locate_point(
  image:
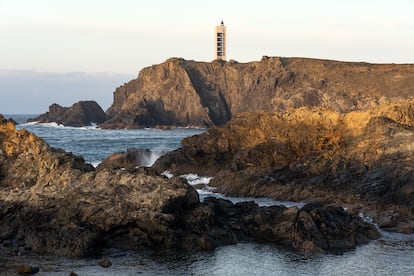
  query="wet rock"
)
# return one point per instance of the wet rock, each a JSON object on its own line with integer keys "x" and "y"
{"x": 392, "y": 221}
{"x": 27, "y": 269}
{"x": 313, "y": 228}
{"x": 319, "y": 228}
{"x": 105, "y": 262}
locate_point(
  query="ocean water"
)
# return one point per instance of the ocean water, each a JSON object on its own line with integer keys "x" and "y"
{"x": 392, "y": 254}
{"x": 95, "y": 144}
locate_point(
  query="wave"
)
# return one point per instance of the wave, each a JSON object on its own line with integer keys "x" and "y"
{"x": 95, "y": 164}
{"x": 195, "y": 179}
{"x": 201, "y": 184}
{"x": 29, "y": 124}
{"x": 56, "y": 125}
{"x": 167, "y": 174}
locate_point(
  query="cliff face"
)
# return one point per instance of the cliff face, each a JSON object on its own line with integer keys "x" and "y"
{"x": 181, "y": 93}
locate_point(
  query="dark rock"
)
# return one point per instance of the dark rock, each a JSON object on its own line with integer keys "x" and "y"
{"x": 315, "y": 227}
{"x": 319, "y": 228}
{"x": 27, "y": 269}
{"x": 82, "y": 113}
{"x": 182, "y": 92}
{"x": 105, "y": 262}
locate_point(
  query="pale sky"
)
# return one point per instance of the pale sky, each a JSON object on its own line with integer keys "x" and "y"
{"x": 123, "y": 36}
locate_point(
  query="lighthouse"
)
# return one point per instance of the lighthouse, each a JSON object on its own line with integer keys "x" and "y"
{"x": 220, "y": 42}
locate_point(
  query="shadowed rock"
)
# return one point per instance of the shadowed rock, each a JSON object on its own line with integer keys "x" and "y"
{"x": 27, "y": 269}
{"x": 82, "y": 113}
{"x": 105, "y": 262}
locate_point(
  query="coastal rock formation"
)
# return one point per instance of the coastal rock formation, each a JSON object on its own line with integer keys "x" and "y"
{"x": 52, "y": 202}
{"x": 362, "y": 159}
{"x": 313, "y": 228}
{"x": 82, "y": 113}
{"x": 182, "y": 92}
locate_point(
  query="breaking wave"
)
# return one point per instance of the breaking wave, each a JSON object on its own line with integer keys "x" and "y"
{"x": 56, "y": 125}
{"x": 201, "y": 184}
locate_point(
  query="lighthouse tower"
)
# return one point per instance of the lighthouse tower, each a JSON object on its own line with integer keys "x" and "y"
{"x": 220, "y": 42}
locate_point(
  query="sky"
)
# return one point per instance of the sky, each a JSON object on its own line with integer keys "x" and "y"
{"x": 84, "y": 42}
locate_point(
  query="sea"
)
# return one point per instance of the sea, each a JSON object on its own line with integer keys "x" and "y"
{"x": 392, "y": 254}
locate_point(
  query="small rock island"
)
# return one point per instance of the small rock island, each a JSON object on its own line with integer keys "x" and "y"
{"x": 82, "y": 113}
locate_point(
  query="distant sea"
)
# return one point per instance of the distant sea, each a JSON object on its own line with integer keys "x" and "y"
{"x": 392, "y": 254}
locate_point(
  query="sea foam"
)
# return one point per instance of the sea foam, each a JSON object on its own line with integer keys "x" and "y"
{"x": 56, "y": 125}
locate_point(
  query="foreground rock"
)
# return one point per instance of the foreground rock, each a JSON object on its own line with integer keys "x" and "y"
{"x": 82, "y": 113}
{"x": 52, "y": 202}
{"x": 313, "y": 228}
{"x": 362, "y": 160}
{"x": 182, "y": 92}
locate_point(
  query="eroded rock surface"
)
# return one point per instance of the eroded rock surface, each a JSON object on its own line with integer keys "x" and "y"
{"x": 182, "y": 92}
{"x": 313, "y": 228}
{"x": 52, "y": 202}
{"x": 363, "y": 160}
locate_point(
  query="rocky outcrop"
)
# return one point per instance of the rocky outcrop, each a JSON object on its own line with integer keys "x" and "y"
{"x": 361, "y": 159}
{"x": 82, "y": 113}
{"x": 313, "y": 228}
{"x": 52, "y": 202}
{"x": 181, "y": 92}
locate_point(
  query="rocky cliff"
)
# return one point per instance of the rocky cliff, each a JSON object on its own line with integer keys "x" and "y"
{"x": 52, "y": 202}
{"x": 188, "y": 93}
{"x": 82, "y": 113}
{"x": 360, "y": 159}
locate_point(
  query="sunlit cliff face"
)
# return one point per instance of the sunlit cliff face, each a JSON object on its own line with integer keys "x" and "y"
{"x": 180, "y": 92}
